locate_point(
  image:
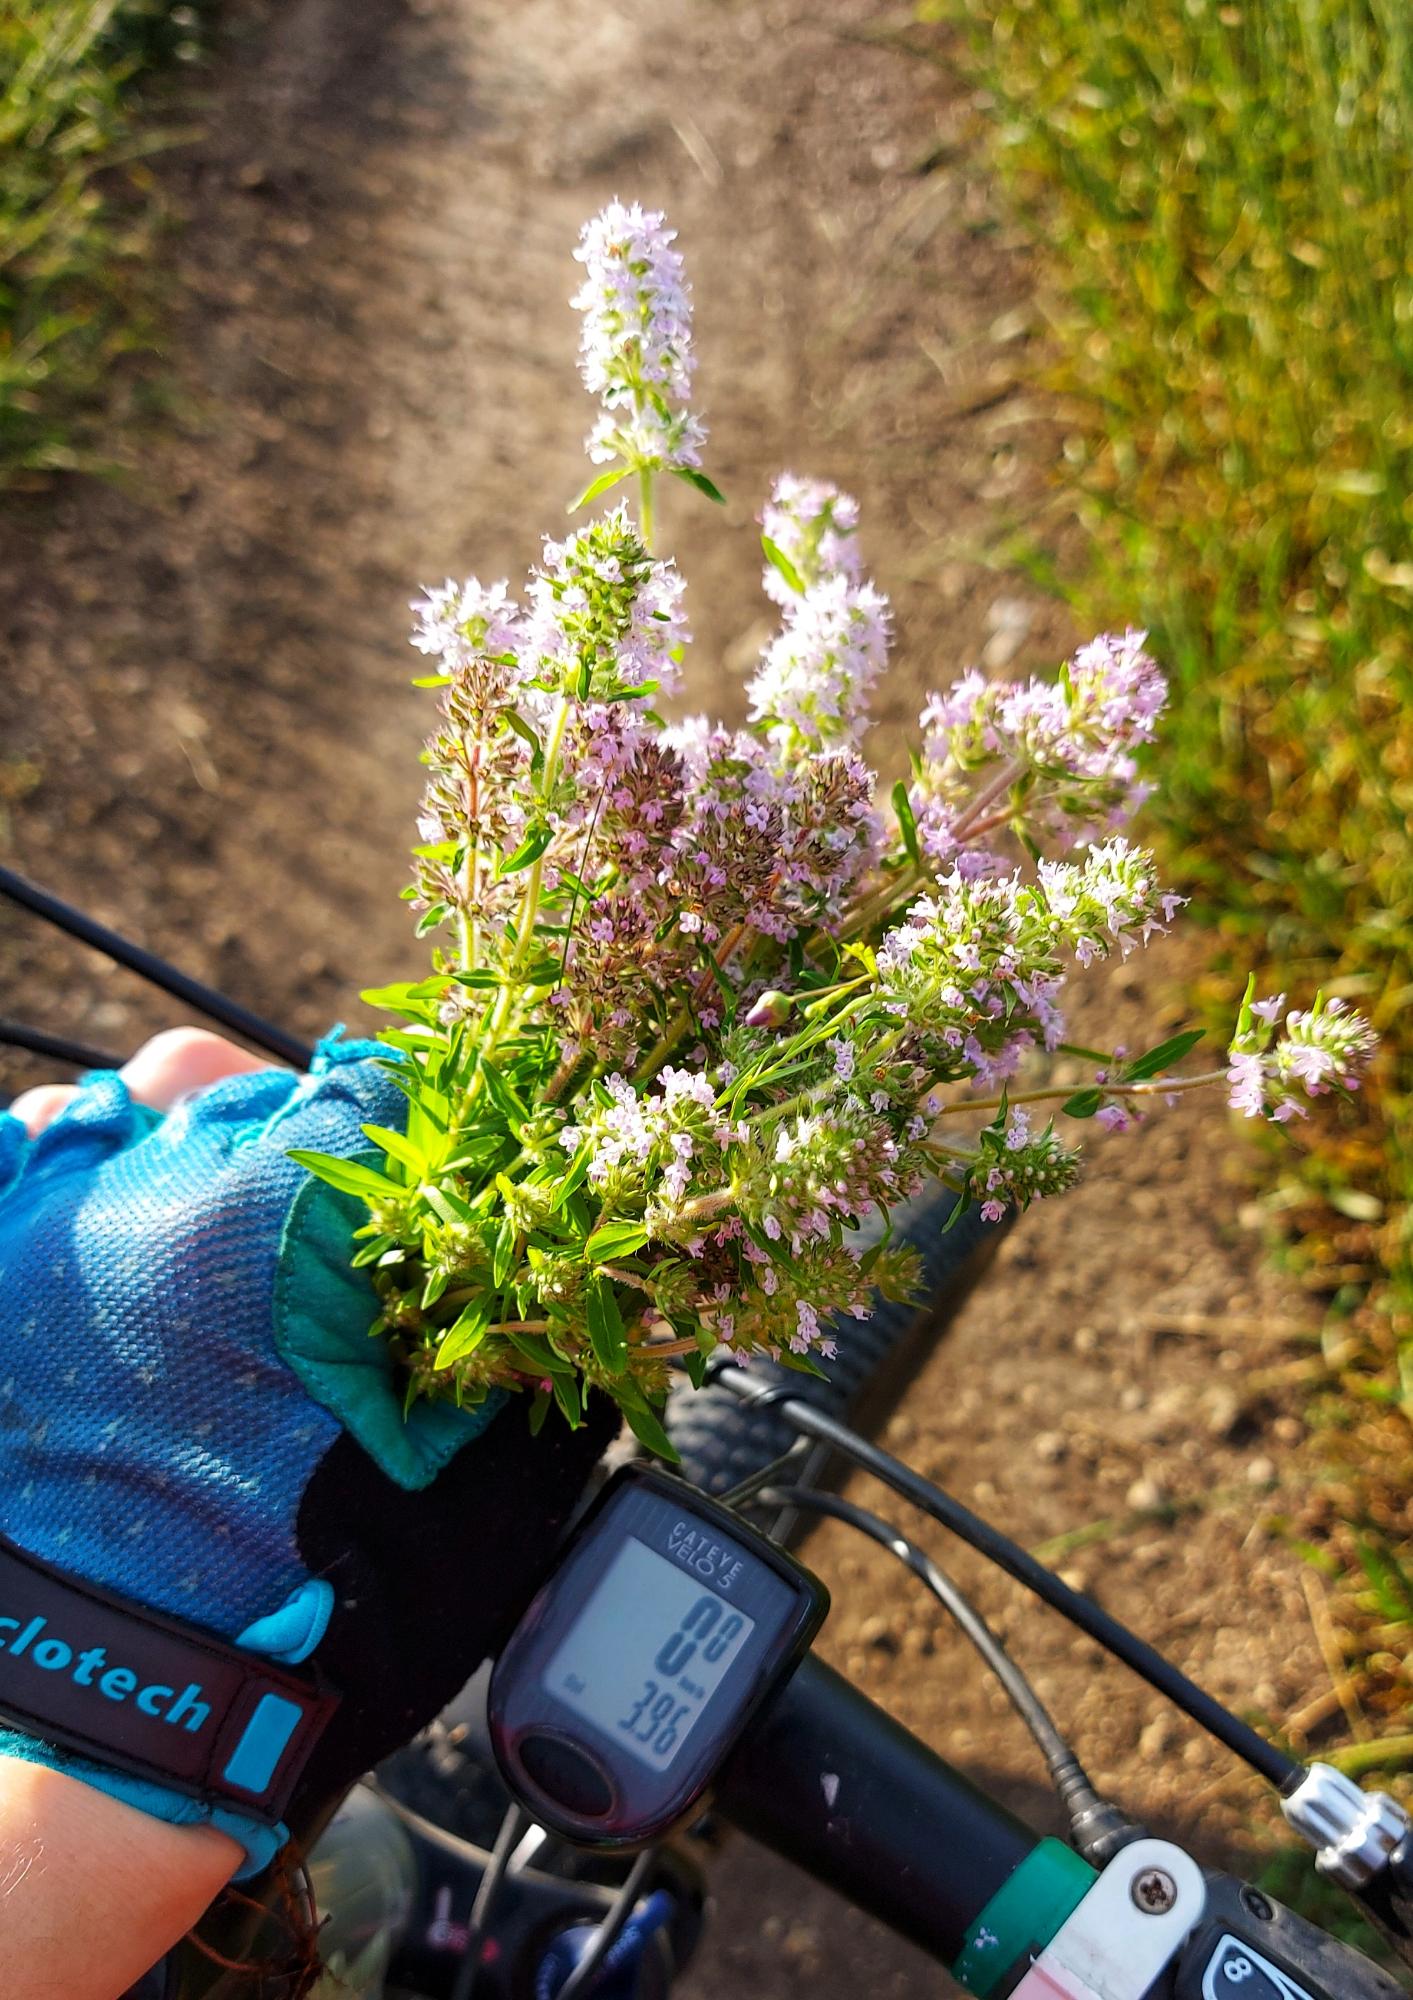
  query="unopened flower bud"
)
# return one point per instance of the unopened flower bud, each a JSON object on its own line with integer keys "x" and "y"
{"x": 772, "y": 1010}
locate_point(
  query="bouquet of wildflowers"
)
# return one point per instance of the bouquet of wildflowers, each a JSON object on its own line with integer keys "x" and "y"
{"x": 700, "y": 1002}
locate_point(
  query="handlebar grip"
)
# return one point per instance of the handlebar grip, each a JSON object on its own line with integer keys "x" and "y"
{"x": 832, "y": 1783}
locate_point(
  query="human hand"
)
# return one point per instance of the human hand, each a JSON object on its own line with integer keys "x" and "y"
{"x": 192, "y": 1417}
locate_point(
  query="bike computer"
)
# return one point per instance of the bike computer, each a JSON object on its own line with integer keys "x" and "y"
{"x": 666, "y": 1624}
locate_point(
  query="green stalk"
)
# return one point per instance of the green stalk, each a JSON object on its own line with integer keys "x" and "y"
{"x": 1157, "y": 1087}
{"x": 530, "y": 907}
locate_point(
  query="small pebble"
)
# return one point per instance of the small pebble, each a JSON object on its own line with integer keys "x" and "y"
{"x": 877, "y": 1632}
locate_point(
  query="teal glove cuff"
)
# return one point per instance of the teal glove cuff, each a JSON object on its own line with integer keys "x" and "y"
{"x": 322, "y": 1309}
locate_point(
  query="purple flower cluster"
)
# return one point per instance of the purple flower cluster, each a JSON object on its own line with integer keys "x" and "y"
{"x": 739, "y": 1195}
{"x": 696, "y": 1014}
{"x": 636, "y": 344}
{"x": 776, "y": 847}
{"x": 814, "y": 526}
{"x": 1325, "y": 1049}
{"x": 1072, "y": 740}
{"x": 817, "y": 675}
{"x": 603, "y": 616}
{"x": 1014, "y": 1167}
{"x": 813, "y": 686}
{"x": 977, "y": 968}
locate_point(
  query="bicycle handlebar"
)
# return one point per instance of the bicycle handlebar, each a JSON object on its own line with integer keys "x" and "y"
{"x": 832, "y": 1783}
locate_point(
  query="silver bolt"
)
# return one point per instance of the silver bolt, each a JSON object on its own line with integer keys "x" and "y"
{"x": 1153, "y": 1891}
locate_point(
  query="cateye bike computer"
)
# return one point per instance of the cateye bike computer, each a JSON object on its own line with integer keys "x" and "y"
{"x": 665, "y": 1626}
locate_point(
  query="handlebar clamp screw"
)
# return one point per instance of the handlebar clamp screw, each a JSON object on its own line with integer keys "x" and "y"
{"x": 1153, "y": 1891}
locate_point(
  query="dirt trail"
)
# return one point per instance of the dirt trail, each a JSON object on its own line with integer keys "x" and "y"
{"x": 207, "y": 735}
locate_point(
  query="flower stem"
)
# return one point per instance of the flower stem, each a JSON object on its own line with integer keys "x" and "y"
{"x": 966, "y": 827}
{"x": 1155, "y": 1087}
{"x": 645, "y": 507}
{"x": 882, "y": 902}
{"x": 529, "y": 909}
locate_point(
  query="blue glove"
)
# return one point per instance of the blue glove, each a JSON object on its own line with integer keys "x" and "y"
{"x": 193, "y": 1417}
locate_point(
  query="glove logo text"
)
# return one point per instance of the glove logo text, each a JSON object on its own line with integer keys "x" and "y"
{"x": 90, "y": 1669}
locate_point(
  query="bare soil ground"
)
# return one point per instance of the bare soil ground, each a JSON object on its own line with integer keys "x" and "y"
{"x": 207, "y": 737}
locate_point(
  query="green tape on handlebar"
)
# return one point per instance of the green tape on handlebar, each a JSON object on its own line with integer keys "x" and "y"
{"x": 1023, "y": 1916}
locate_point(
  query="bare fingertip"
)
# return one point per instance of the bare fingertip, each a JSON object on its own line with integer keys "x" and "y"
{"x": 41, "y": 1105}
{"x": 181, "y": 1060}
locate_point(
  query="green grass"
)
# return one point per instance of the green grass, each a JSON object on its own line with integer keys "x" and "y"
{"x": 77, "y": 213}
{"x": 1220, "y": 197}
{"x": 1223, "y": 199}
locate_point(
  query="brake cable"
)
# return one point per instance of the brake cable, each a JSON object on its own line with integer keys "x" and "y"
{"x": 55, "y": 1048}
{"x": 1271, "y": 1763}
{"x": 205, "y": 999}
{"x": 512, "y": 1830}
{"x": 1099, "y": 1828}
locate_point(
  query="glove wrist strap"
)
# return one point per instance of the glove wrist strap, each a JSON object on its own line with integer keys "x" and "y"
{"x": 141, "y": 1693}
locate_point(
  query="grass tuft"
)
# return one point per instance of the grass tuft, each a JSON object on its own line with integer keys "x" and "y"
{"x": 78, "y": 207}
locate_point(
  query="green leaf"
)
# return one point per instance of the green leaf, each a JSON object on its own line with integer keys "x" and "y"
{"x": 539, "y": 1410}
{"x": 1246, "y": 1017}
{"x": 539, "y": 1354}
{"x": 414, "y": 997}
{"x": 607, "y": 1333}
{"x": 777, "y": 557}
{"x": 446, "y": 1203}
{"x": 633, "y": 691}
{"x": 503, "y": 1094}
{"x": 703, "y": 485}
{"x": 504, "y": 1257}
{"x": 1164, "y": 1056}
{"x": 566, "y": 1394}
{"x": 372, "y": 1252}
{"x": 615, "y": 1239}
{"x": 411, "y": 1041}
{"x": 399, "y": 1148}
{"x": 430, "y": 919}
{"x": 544, "y": 970}
{"x": 603, "y": 484}
{"x": 1083, "y": 1104}
{"x": 802, "y": 1364}
{"x": 465, "y": 1335}
{"x": 437, "y": 1282}
{"x": 348, "y": 1177}
{"x": 647, "y": 1430}
{"x": 479, "y": 1154}
{"x": 530, "y": 849}
{"x": 514, "y": 720}
{"x": 907, "y": 824}
{"x": 578, "y": 1168}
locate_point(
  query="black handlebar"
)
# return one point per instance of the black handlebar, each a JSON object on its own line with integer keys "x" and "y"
{"x": 832, "y": 1783}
